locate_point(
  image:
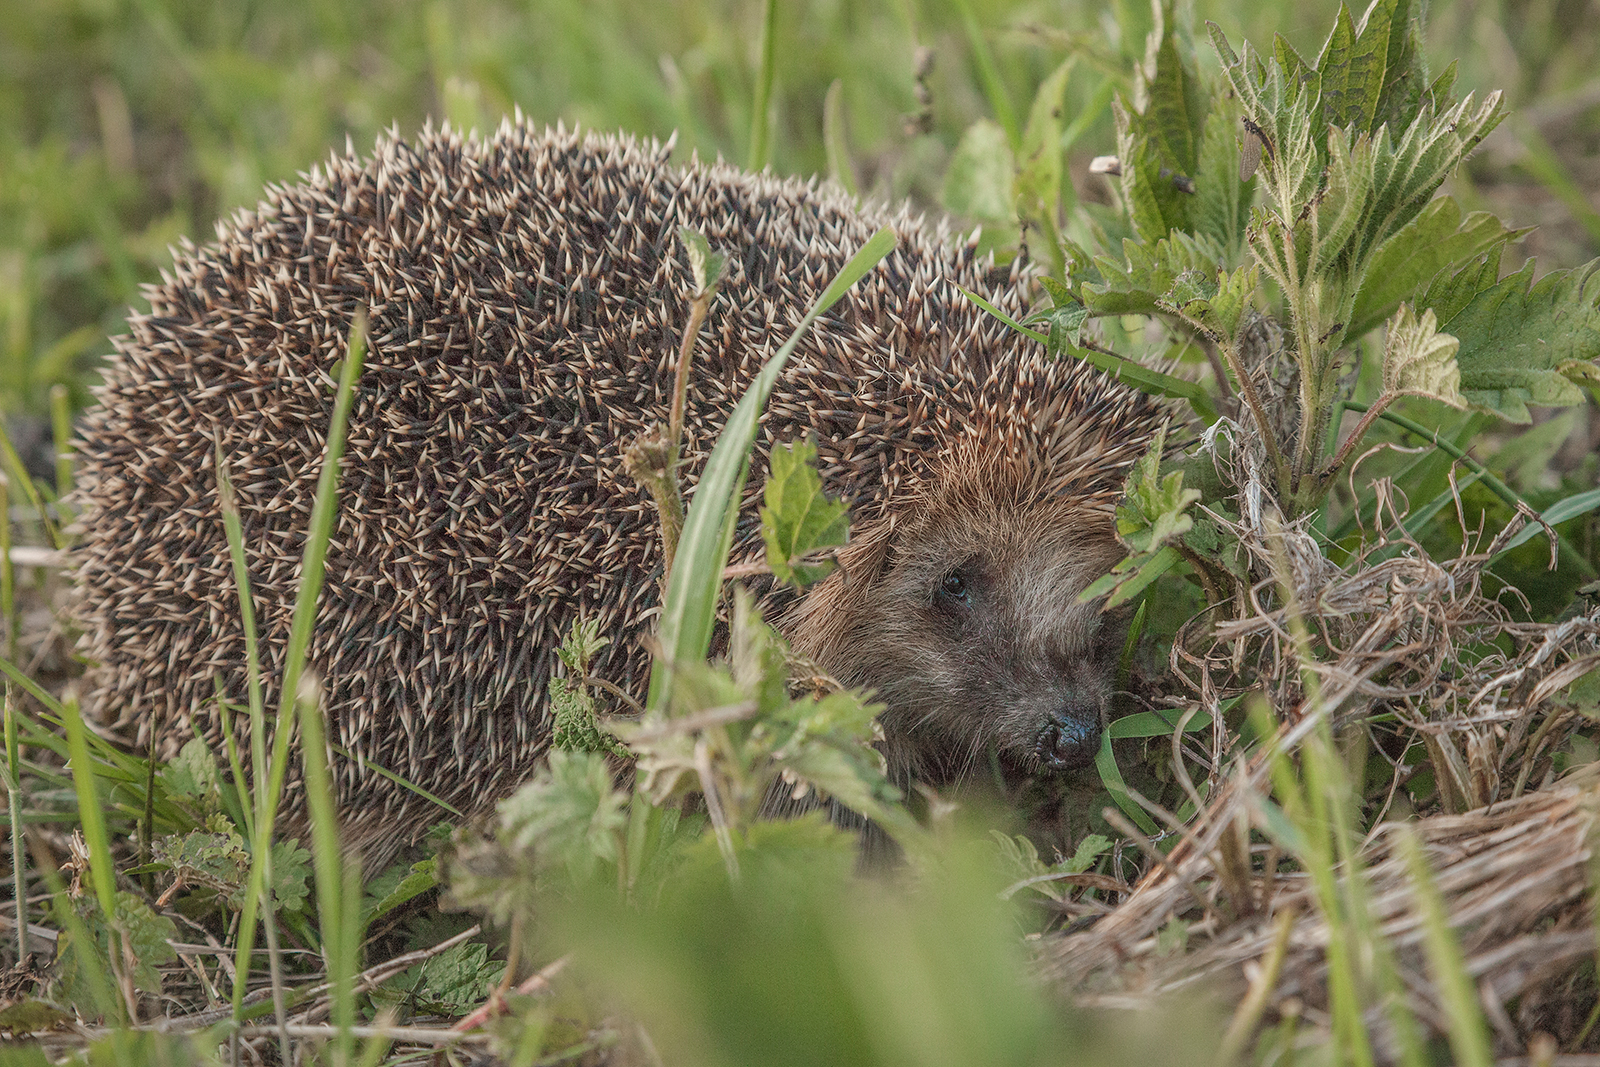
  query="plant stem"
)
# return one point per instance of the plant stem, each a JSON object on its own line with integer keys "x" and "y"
{"x": 1495, "y": 485}
{"x": 1247, "y": 389}
{"x": 1379, "y": 406}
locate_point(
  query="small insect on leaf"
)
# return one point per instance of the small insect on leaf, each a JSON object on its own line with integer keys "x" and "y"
{"x": 1250, "y": 155}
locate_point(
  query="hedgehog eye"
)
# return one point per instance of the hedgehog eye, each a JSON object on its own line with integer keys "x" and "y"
{"x": 954, "y": 591}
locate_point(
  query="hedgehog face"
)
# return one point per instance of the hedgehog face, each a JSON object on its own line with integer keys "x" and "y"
{"x": 965, "y": 622}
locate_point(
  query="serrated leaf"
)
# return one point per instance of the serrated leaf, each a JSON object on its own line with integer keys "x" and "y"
{"x": 1525, "y": 342}
{"x": 1358, "y": 63}
{"x": 798, "y": 516}
{"x": 1153, "y": 511}
{"x": 291, "y": 875}
{"x": 1066, "y": 327}
{"x": 1418, "y": 360}
{"x": 1218, "y": 313}
{"x": 1171, "y": 99}
{"x": 1088, "y": 851}
{"x": 1221, "y": 200}
{"x": 460, "y": 977}
{"x": 706, "y": 266}
{"x": 150, "y": 936}
{"x": 1038, "y": 181}
{"x": 1148, "y": 273}
{"x": 1438, "y": 239}
{"x": 193, "y": 772}
{"x": 1406, "y": 174}
{"x": 582, "y": 643}
{"x": 979, "y": 182}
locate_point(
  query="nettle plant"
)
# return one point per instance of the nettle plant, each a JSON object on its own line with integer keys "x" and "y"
{"x": 1272, "y": 221}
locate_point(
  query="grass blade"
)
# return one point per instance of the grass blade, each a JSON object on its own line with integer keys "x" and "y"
{"x": 324, "y": 509}
{"x": 1468, "y": 1033}
{"x": 689, "y": 611}
{"x": 761, "y": 106}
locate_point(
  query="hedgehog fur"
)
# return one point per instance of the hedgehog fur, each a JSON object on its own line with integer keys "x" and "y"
{"x": 527, "y": 294}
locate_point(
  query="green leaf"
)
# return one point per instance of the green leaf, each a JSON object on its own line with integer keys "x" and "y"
{"x": 193, "y": 772}
{"x": 1418, "y": 360}
{"x": 149, "y": 940}
{"x": 569, "y": 814}
{"x": 1122, "y": 586}
{"x": 1105, "y": 762}
{"x": 1066, "y": 326}
{"x": 799, "y": 518}
{"x": 1153, "y": 382}
{"x": 460, "y": 978}
{"x": 979, "y": 182}
{"x": 575, "y": 725}
{"x": 706, "y": 266}
{"x": 1522, "y": 342}
{"x": 1038, "y": 182}
{"x": 1157, "y": 201}
{"x": 1154, "y": 512}
{"x": 422, "y": 877}
{"x": 1438, "y": 239}
{"x": 1159, "y": 137}
{"x": 291, "y": 875}
{"x": 1222, "y": 202}
{"x": 1169, "y": 95}
{"x": 1148, "y": 273}
{"x": 1090, "y": 849}
{"x": 1156, "y": 724}
{"x": 1356, "y": 64}
{"x": 1562, "y": 510}
{"x": 1218, "y": 312}
{"x": 690, "y": 605}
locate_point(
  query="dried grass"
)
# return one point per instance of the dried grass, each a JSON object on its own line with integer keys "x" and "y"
{"x": 1418, "y": 642}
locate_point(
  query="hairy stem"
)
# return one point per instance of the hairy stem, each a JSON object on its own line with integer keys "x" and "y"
{"x": 1372, "y": 414}
{"x": 1247, "y": 389}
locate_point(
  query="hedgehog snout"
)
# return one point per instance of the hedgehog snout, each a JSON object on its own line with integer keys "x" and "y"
{"x": 1070, "y": 738}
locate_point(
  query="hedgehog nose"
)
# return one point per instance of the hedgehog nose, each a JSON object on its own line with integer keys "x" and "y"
{"x": 1070, "y": 739}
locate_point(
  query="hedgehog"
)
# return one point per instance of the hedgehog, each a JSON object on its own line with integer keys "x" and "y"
{"x": 526, "y": 294}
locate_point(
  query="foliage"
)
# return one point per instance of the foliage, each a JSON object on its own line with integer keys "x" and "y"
{"x": 1268, "y": 210}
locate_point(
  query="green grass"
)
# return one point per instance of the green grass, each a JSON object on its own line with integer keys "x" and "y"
{"x": 128, "y": 126}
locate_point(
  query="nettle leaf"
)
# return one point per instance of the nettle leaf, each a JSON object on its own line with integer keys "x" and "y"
{"x": 1066, "y": 326}
{"x": 1345, "y": 199}
{"x": 1159, "y": 136}
{"x": 798, "y": 516}
{"x": 978, "y": 184}
{"x": 1403, "y": 266}
{"x": 1148, "y": 273}
{"x": 1154, "y": 511}
{"x": 1169, "y": 96}
{"x": 1156, "y": 204}
{"x": 1365, "y": 68}
{"x": 1222, "y": 202}
{"x": 1281, "y": 101}
{"x": 1217, "y": 313}
{"x": 1418, "y": 360}
{"x": 1407, "y": 174}
{"x": 1522, "y": 342}
{"x": 1038, "y": 181}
